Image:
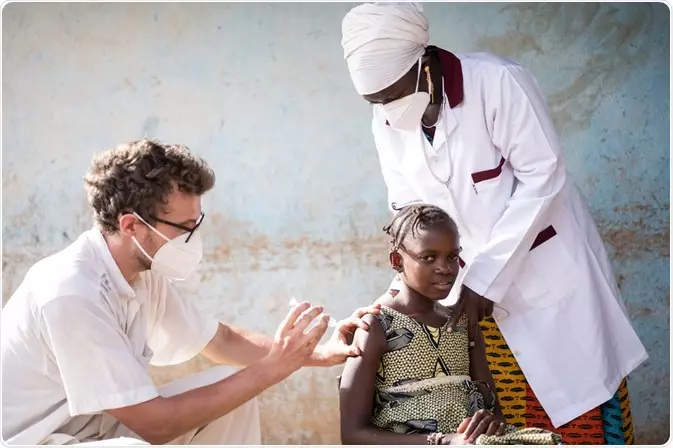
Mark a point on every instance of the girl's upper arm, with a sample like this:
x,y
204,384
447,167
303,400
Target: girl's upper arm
x,y
356,389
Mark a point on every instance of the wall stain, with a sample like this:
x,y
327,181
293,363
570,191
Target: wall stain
x,y
640,229
642,208
639,311
630,242
511,43
238,243
619,36
149,127
240,247
30,212
128,84
314,415
263,254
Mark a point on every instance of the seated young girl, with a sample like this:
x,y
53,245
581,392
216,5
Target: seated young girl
x,y
417,383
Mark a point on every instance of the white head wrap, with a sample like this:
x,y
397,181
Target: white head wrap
x,y
381,42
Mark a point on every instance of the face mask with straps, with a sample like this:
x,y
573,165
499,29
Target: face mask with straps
x,y
178,258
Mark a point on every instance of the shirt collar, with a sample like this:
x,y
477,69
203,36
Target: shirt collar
x,y
123,287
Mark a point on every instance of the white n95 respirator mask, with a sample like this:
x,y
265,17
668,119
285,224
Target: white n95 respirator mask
x,y
179,257
405,114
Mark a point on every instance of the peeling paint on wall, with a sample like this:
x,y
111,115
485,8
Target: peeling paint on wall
x,y
262,92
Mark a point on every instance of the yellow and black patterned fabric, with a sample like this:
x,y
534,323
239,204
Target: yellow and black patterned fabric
x,y
423,383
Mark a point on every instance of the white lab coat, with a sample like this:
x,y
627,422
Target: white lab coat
x,y
558,305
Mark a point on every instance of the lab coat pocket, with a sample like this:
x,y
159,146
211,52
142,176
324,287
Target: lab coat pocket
x,y
487,179
548,273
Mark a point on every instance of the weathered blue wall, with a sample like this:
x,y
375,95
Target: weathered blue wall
x,y
262,91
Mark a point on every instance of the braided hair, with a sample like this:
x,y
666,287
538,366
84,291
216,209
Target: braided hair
x,y
414,218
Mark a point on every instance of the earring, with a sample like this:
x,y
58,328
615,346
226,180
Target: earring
x,y
431,88
395,262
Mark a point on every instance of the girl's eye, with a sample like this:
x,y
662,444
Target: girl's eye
x,y
429,258
456,256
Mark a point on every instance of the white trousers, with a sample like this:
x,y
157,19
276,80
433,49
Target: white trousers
x,y
239,427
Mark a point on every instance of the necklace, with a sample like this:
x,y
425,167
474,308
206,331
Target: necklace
x,y
439,114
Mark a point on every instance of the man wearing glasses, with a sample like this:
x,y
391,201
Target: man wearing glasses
x,y
81,329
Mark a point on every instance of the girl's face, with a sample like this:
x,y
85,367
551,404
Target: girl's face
x,y
429,261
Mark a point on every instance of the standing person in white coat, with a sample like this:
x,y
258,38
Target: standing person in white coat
x,y
471,133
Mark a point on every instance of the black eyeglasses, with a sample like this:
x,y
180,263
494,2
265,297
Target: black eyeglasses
x,y
191,230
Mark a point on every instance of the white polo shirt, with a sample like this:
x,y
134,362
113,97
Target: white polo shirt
x,y
77,340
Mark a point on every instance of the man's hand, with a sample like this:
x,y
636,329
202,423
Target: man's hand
x,y
162,419
483,422
340,346
475,306
293,344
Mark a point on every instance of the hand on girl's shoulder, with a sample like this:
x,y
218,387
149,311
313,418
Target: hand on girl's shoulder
x,y
372,340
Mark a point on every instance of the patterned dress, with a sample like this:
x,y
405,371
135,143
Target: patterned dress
x,y
423,383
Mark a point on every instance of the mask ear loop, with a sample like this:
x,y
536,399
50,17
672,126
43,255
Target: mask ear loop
x,y
135,240
151,227
418,75
139,246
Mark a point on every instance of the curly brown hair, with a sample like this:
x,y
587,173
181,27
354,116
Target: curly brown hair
x,y
139,176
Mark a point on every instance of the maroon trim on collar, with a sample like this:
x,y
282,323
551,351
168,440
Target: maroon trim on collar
x,y
452,71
